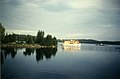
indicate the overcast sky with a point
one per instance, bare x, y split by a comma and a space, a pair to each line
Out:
91, 19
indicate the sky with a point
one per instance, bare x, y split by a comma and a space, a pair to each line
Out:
83, 19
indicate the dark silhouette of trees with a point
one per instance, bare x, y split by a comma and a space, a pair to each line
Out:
40, 37
2, 33
54, 41
29, 39
9, 38
46, 41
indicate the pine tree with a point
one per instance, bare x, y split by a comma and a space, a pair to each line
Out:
29, 39
2, 33
54, 41
40, 37
48, 40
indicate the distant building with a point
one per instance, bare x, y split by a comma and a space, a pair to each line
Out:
21, 42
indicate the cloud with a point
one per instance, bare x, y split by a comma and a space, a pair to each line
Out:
77, 4
74, 4
79, 18
26, 32
56, 8
62, 5
11, 2
31, 5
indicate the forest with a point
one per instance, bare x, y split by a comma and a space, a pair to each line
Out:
40, 38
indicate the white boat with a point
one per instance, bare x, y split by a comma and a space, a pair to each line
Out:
72, 43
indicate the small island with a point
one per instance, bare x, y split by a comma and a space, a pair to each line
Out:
26, 41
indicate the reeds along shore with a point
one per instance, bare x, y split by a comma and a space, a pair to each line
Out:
26, 46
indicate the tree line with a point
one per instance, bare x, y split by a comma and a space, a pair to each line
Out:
2, 33
47, 41
40, 39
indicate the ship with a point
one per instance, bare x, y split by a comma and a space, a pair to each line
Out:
71, 43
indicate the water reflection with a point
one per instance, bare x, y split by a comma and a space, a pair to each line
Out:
7, 51
90, 48
28, 51
101, 48
71, 48
91, 62
41, 53
45, 52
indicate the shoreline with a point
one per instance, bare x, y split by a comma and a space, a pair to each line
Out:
25, 46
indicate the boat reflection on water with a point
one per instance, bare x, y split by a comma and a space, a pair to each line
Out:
71, 48
90, 48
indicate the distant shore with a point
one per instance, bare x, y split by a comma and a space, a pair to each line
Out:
26, 46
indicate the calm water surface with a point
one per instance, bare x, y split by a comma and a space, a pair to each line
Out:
85, 62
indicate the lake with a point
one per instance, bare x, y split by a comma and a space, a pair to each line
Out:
88, 61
